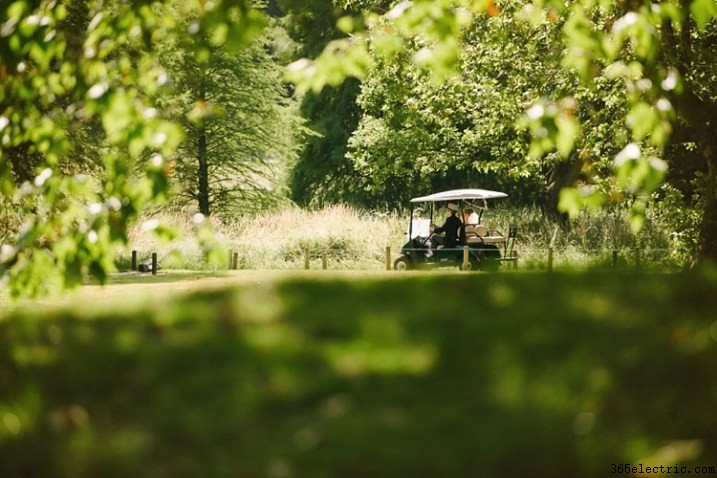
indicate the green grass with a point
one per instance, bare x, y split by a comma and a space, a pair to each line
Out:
133, 290
388, 375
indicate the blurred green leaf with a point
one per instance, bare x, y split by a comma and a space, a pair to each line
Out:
346, 24
573, 200
567, 134
642, 120
704, 11
570, 201
118, 116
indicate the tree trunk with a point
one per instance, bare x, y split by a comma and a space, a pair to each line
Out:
203, 161
203, 172
700, 118
562, 175
698, 114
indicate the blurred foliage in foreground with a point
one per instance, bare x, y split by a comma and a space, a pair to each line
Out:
417, 376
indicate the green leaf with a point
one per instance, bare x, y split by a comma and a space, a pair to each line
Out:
166, 233
642, 120
117, 117
704, 11
250, 25
637, 215
17, 9
219, 33
531, 14
568, 131
573, 200
345, 24
570, 201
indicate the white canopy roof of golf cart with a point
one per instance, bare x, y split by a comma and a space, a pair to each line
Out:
458, 194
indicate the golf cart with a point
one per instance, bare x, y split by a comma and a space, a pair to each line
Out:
486, 248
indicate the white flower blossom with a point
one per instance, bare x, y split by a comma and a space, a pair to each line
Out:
95, 208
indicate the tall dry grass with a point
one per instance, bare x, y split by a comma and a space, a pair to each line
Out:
348, 237
587, 240
352, 238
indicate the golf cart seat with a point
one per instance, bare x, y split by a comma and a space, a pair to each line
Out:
474, 233
494, 237
479, 234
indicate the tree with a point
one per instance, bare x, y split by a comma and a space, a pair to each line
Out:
659, 52
416, 135
322, 173
692, 52
71, 223
240, 123
635, 42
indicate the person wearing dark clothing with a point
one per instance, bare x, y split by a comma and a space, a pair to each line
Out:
452, 229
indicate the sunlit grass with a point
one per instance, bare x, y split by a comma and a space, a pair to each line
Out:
347, 237
130, 291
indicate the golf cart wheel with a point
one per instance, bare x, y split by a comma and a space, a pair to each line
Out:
473, 264
403, 263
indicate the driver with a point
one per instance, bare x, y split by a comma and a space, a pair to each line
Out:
452, 228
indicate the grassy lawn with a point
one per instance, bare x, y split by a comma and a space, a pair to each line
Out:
362, 374
135, 290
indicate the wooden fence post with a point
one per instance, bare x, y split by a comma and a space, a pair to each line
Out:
515, 259
324, 264
466, 261
235, 261
134, 260
637, 258
306, 258
550, 259
614, 259
388, 258
154, 263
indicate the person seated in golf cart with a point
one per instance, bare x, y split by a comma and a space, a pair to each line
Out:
472, 231
470, 218
452, 230
478, 234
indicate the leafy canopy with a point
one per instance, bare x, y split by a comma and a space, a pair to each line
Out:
57, 80
602, 41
